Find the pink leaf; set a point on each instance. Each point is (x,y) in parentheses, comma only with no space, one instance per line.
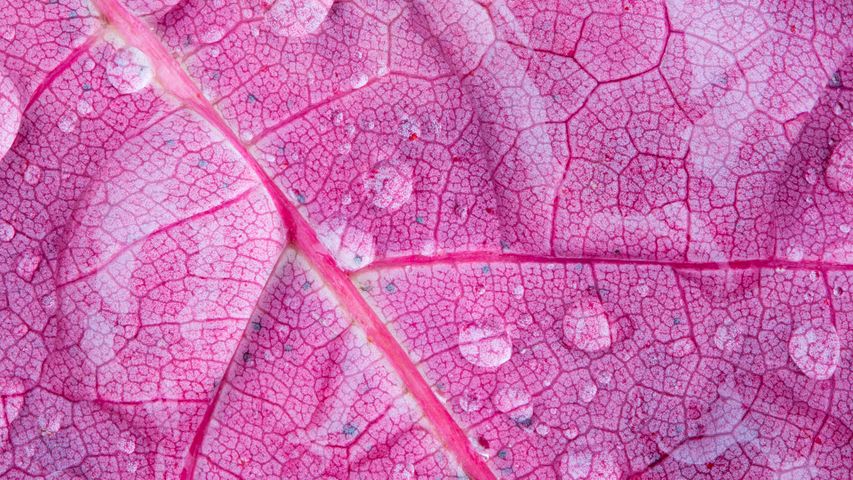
(378,239)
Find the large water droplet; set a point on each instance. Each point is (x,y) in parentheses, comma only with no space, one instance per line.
(485,345)
(839,171)
(28,263)
(297,18)
(514,401)
(10,113)
(32,174)
(585,325)
(815,349)
(129,71)
(388,186)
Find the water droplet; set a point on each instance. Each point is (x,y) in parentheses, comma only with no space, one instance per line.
(388,186)
(486,346)
(513,401)
(28,263)
(409,129)
(815,350)
(297,18)
(337,118)
(795,254)
(126,444)
(359,80)
(838,108)
(84,108)
(403,471)
(837,291)
(728,336)
(839,171)
(585,325)
(67,122)
(468,404)
(518,291)
(129,71)
(844,228)
(32,174)
(7,231)
(588,392)
(543,430)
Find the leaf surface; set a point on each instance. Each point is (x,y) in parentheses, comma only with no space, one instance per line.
(371,239)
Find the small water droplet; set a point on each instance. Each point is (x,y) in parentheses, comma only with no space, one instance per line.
(468,404)
(129,71)
(513,401)
(126,444)
(297,18)
(28,263)
(32,174)
(7,231)
(359,80)
(67,122)
(486,345)
(839,170)
(388,186)
(543,430)
(84,108)
(837,291)
(811,176)
(588,392)
(838,108)
(518,291)
(585,325)
(795,254)
(844,228)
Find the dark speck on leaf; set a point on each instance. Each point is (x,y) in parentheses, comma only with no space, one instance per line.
(288,348)
(524,422)
(390,288)
(349,429)
(835,79)
(486,269)
(247,356)
(256,325)
(502,454)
